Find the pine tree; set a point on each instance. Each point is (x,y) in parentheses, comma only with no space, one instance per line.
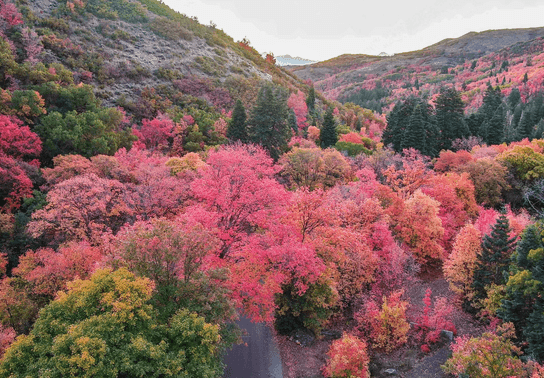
(523,304)
(449,117)
(328,135)
(237,129)
(310,100)
(497,248)
(514,98)
(292,121)
(495,128)
(416,84)
(539,133)
(525,127)
(268,124)
(414,136)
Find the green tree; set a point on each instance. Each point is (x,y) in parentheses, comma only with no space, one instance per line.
(105,327)
(268,124)
(525,127)
(310,100)
(495,128)
(237,129)
(523,304)
(450,117)
(328,135)
(497,248)
(414,135)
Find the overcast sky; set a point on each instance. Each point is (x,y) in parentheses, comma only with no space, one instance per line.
(319,30)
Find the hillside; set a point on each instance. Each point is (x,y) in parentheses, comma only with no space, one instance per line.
(448,61)
(131,45)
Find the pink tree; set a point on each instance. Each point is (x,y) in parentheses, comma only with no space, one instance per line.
(297,102)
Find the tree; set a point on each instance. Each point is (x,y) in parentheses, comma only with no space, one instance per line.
(106,327)
(310,100)
(298,105)
(176,255)
(497,248)
(385,327)
(460,265)
(237,129)
(268,123)
(328,135)
(490,356)
(450,117)
(421,228)
(238,193)
(347,358)
(414,135)
(523,304)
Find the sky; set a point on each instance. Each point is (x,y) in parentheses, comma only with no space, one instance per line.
(320,30)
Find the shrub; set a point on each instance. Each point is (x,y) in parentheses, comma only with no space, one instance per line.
(347,358)
(387,328)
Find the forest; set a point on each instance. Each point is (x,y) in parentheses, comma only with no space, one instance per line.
(135,228)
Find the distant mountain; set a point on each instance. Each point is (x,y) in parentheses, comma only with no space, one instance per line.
(288,60)
(448,61)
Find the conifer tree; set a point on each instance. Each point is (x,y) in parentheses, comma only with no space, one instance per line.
(495,128)
(292,121)
(414,136)
(523,304)
(310,100)
(449,117)
(497,248)
(237,129)
(539,133)
(328,135)
(525,127)
(268,124)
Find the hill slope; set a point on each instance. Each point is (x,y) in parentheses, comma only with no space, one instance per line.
(345,75)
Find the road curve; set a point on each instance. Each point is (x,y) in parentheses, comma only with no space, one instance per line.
(259,359)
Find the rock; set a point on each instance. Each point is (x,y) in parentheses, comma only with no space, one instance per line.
(447,334)
(303,337)
(391,371)
(331,334)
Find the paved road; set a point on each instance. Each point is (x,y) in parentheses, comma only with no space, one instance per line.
(259,359)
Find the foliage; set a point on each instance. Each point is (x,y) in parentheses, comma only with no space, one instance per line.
(491,355)
(347,358)
(237,130)
(268,121)
(497,248)
(460,265)
(386,327)
(313,168)
(175,255)
(105,327)
(522,303)
(328,135)
(434,319)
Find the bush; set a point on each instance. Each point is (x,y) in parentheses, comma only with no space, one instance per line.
(347,358)
(387,328)
(169,29)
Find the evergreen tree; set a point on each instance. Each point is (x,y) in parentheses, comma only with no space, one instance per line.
(414,136)
(310,100)
(525,127)
(497,248)
(513,99)
(292,121)
(398,122)
(416,84)
(268,124)
(358,125)
(328,135)
(492,101)
(495,128)
(450,117)
(539,133)
(237,129)
(523,304)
